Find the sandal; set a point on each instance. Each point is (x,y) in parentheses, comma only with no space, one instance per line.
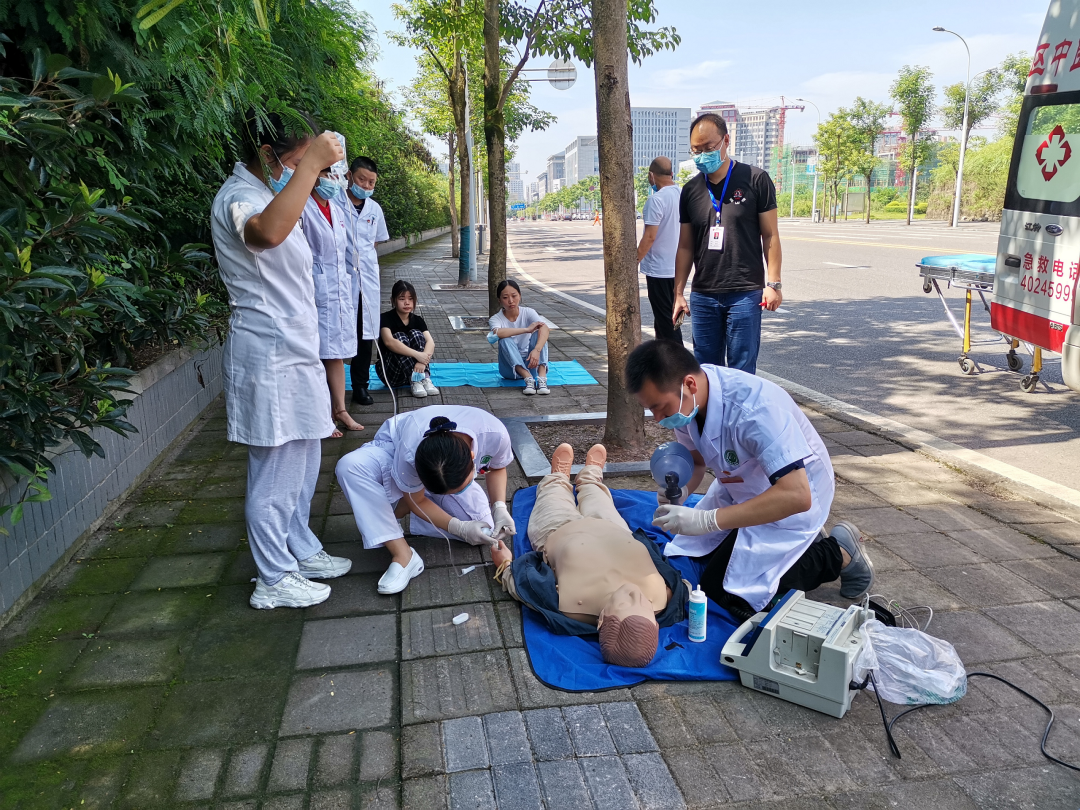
(350,421)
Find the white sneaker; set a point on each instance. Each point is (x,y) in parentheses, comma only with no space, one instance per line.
(541,387)
(323,566)
(397,578)
(292,590)
(530,387)
(418,389)
(429,386)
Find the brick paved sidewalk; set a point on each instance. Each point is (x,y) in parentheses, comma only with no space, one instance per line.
(140,678)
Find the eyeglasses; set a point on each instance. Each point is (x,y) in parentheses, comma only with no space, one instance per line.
(712,147)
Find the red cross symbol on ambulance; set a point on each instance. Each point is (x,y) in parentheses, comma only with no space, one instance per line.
(1053,153)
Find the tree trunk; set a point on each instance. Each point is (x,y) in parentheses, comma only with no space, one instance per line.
(625,417)
(868,197)
(455,237)
(495,138)
(457,104)
(914,174)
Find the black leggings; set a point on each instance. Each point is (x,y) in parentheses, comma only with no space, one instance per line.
(819,564)
(359,369)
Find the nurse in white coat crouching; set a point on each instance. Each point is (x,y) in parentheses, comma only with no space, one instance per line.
(276,397)
(760,525)
(425,462)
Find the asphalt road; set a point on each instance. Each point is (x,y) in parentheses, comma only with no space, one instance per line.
(858,327)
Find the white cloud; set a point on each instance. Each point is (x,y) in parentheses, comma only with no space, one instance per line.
(703,73)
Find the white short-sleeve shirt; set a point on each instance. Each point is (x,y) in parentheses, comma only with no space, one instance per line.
(527,316)
(662,210)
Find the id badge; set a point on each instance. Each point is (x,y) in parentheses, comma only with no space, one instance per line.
(716,237)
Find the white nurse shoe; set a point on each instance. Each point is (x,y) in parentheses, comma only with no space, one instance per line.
(397,577)
(292,590)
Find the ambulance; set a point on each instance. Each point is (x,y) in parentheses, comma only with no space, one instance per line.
(1038,261)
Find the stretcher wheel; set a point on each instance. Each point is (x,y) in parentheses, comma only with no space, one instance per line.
(1015,361)
(967,365)
(927,286)
(1028,383)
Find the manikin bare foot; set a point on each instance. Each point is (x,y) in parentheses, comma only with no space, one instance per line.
(346,419)
(562,459)
(597,456)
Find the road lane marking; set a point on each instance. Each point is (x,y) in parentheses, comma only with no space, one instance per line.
(849,266)
(923,248)
(914,435)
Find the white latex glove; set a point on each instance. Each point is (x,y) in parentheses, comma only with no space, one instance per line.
(472,532)
(685,520)
(662,499)
(504,524)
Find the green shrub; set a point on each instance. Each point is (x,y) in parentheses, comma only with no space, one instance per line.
(897,206)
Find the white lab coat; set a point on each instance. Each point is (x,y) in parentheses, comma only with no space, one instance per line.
(275,385)
(752,430)
(335,289)
(364,230)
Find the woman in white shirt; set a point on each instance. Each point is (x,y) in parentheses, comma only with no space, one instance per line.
(425,462)
(276,397)
(522,338)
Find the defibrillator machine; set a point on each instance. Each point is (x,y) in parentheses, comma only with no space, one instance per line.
(800,651)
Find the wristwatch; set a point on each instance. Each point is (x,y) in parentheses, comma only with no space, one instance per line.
(776,285)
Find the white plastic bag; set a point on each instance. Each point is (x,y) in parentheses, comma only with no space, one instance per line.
(910,666)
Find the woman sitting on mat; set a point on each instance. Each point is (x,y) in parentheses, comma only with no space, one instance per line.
(406,344)
(522,337)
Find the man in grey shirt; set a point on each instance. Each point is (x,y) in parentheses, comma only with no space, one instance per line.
(656,251)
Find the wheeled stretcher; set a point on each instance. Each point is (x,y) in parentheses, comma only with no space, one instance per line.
(974,273)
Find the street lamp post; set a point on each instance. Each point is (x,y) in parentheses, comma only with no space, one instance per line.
(813,205)
(964,128)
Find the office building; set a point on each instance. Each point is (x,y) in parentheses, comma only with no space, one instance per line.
(660,131)
(542,184)
(515,190)
(531,193)
(581,159)
(757,133)
(556,169)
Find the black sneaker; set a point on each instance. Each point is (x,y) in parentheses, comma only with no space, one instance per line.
(360,396)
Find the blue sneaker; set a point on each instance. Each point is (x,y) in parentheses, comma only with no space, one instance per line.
(857,577)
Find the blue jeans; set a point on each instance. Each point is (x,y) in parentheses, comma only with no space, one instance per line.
(727,328)
(510,357)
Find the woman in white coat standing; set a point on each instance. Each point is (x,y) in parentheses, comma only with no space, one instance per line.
(276,397)
(325,228)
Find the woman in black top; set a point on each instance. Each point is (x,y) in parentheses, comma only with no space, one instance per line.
(406,344)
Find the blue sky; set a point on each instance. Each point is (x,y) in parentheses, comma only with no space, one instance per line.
(752,53)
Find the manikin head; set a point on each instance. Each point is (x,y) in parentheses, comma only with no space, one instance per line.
(629,633)
(666,378)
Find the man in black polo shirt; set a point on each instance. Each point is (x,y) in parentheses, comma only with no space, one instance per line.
(728,220)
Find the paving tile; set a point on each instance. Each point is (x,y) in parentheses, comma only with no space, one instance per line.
(948,517)
(627,728)
(378,756)
(929,550)
(703,718)
(444,586)
(181,571)
(740,772)
(151,781)
(1062,534)
(940,793)
(125,662)
(562,785)
(1058,577)
(668,726)
(510,624)
(986,585)
(884,520)
(335,760)
(472,790)
(548,735)
(506,737)
(856,752)
(1038,788)
(351,596)
(533,695)
(429,793)
(588,731)
(913,588)
(331,800)
(1021,512)
(908,493)
(1003,543)
(516,787)
(857,470)
(977,638)
(239,651)
(245,770)
(652,782)
(436,554)
(155,612)
(426,633)
(292,802)
(347,642)
(850,496)
(608,783)
(202,537)
(230,607)
(421,750)
(290,769)
(465,745)
(339,701)
(455,686)
(227,712)
(103,576)
(695,775)
(1052,627)
(801,765)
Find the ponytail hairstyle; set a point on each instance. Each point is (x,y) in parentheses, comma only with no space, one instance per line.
(273,130)
(444,460)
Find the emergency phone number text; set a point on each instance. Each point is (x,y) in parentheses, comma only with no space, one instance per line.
(1047,287)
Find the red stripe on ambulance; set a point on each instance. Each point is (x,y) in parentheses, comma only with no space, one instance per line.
(1027,326)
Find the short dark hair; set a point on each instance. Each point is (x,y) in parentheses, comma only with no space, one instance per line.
(664,363)
(402,286)
(272,130)
(362,162)
(714,119)
(506,282)
(661,166)
(444,459)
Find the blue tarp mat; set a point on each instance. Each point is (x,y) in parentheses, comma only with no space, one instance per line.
(974,262)
(574,664)
(486,375)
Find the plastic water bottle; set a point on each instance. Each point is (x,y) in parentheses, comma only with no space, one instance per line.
(699,608)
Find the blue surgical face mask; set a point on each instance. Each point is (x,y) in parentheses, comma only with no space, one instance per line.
(709,162)
(418,376)
(327,188)
(653,187)
(360,193)
(680,419)
(492,337)
(279,185)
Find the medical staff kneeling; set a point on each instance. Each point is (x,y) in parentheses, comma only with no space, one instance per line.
(760,524)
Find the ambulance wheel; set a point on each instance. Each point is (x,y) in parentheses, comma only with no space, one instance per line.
(1028,384)
(927,286)
(1015,361)
(967,365)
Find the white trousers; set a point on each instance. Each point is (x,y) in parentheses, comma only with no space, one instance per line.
(280,484)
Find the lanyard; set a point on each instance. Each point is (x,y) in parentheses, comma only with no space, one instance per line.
(717,206)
